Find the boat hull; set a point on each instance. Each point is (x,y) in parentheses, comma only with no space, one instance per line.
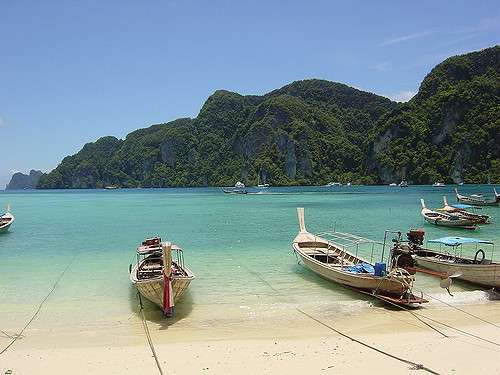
(482,274)
(152,289)
(357,281)
(467,224)
(8,220)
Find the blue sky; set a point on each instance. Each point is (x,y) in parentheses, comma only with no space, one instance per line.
(73,71)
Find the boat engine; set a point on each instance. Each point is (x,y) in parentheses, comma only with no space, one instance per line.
(415,237)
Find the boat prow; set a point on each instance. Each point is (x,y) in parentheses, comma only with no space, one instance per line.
(160,284)
(6,220)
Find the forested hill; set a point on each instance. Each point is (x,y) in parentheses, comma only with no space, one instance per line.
(312,132)
(449,131)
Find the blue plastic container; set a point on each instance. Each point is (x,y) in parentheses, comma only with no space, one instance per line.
(379,269)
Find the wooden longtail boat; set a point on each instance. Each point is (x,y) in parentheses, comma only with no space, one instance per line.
(444,219)
(477,269)
(478,200)
(461,210)
(6,220)
(333,262)
(163,285)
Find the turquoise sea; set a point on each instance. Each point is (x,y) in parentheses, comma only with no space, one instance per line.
(238,246)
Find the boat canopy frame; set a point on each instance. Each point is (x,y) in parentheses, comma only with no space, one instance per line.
(349,241)
(456,243)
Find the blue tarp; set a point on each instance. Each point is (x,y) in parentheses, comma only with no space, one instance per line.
(455,241)
(463,206)
(361,268)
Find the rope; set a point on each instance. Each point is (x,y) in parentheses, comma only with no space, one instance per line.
(411,312)
(20,334)
(415,366)
(148,334)
(462,310)
(438,322)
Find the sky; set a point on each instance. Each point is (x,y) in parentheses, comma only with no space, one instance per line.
(74,71)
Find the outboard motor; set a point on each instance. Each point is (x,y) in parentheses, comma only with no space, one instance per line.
(415,237)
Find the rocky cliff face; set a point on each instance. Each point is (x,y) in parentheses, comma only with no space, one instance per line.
(20,181)
(449,131)
(306,132)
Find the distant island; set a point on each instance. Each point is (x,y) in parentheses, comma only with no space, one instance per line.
(20,181)
(313,132)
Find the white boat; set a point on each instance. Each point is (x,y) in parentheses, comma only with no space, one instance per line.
(438,184)
(6,220)
(159,278)
(403,184)
(477,269)
(239,185)
(262,186)
(393,184)
(334,262)
(444,219)
(333,184)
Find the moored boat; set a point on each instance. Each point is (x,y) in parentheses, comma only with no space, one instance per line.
(334,262)
(445,219)
(403,184)
(478,199)
(157,276)
(239,188)
(438,184)
(234,191)
(477,269)
(461,210)
(6,220)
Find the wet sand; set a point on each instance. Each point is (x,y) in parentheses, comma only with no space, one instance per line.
(297,346)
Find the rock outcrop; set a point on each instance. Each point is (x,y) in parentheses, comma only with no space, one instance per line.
(20,181)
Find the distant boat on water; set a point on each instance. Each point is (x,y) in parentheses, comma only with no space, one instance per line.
(393,184)
(478,199)
(461,210)
(261,186)
(111,187)
(445,219)
(234,191)
(333,184)
(239,188)
(157,276)
(6,220)
(403,183)
(438,184)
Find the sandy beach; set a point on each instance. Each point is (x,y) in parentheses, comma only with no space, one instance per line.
(288,347)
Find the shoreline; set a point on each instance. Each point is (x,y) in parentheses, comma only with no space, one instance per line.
(293,347)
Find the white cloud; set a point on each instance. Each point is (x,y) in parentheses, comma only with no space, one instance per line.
(404,38)
(402,96)
(382,67)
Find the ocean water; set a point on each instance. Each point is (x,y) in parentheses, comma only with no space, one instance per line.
(239,247)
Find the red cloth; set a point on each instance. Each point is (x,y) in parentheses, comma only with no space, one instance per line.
(168,298)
